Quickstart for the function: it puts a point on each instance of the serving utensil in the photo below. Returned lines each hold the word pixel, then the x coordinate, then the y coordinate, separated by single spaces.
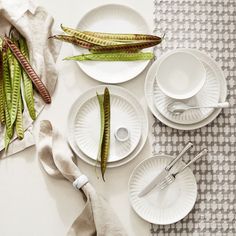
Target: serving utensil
pixel 168 179
pixel 180 107
pixel 164 173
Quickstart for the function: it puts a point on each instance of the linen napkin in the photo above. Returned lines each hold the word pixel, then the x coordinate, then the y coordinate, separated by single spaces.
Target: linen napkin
pixel 97 217
pixel 36 25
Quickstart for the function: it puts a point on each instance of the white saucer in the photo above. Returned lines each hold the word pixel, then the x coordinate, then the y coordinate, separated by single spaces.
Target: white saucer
pixel 113 18
pixel 207 96
pixel 149 93
pixel 116 91
pixel 165 206
pixel 87 127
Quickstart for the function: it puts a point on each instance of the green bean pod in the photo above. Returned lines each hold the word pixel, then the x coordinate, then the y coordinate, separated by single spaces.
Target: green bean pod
pixel 6 78
pixel 123 37
pixel 73 40
pixel 124 47
pixel 27 83
pixel 106 137
pixel 19 120
pixel 112 57
pixel 100 102
pixel 9 128
pixel 2 94
pixel 15 90
pixel 88 38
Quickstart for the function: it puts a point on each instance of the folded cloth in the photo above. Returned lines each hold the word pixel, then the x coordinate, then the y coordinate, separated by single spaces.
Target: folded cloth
pixel 36 25
pixel 97 217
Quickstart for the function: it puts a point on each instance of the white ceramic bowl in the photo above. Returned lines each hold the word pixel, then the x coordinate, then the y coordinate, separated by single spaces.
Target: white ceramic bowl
pixel 180 75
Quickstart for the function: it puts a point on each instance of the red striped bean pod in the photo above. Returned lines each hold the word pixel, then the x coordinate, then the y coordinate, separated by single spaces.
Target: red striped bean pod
pixel 29 70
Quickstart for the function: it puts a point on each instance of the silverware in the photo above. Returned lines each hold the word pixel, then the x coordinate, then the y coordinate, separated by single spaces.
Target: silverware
pixel 180 107
pixel 160 177
pixel 171 176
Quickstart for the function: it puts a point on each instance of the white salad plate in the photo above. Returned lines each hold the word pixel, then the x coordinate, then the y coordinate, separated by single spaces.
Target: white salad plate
pixel 113 18
pixel 135 113
pixel 87 127
pixel 150 96
pixel 207 96
pixel 165 206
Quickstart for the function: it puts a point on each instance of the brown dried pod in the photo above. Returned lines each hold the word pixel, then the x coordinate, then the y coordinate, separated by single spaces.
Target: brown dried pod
pixel 29 70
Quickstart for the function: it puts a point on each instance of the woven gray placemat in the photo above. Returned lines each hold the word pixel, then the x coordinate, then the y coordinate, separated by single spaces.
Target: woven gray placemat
pixel 210 26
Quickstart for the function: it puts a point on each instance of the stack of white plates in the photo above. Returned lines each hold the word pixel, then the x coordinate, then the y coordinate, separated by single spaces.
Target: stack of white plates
pixel 84 125
pixel 213 92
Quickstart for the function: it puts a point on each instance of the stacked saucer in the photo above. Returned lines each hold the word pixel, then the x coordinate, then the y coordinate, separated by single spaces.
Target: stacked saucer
pixel 190 77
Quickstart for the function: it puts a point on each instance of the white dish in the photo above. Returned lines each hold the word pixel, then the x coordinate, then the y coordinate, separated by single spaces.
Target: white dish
pixel 180 75
pixel 118 91
pixel 149 93
pixel 113 18
pixel 207 96
pixel 87 127
pixel 165 206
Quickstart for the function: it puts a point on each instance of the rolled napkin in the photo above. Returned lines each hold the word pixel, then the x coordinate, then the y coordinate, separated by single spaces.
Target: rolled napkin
pixel 36 25
pixel 97 217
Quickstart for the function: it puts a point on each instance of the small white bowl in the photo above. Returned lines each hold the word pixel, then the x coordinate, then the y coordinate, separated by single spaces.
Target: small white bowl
pixel 122 134
pixel 180 75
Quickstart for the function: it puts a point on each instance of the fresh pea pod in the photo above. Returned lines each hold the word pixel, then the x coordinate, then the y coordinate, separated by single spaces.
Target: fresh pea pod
pixel 88 38
pixel 27 83
pixel 73 40
pixel 106 137
pixel 19 120
pixel 113 57
pixel 123 37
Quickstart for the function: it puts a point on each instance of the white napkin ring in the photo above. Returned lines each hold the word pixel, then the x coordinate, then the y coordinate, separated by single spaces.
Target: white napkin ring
pixel 80 181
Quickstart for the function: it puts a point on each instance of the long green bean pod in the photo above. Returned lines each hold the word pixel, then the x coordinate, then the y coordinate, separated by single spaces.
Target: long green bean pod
pixel 106 137
pixel 100 101
pixel 112 57
pixel 19 120
pixel 88 38
pixel 15 90
pixel 9 128
pixel 123 37
pixel 6 77
pixel 123 47
pixel 27 83
pixel 73 40
pixel 2 94
pixel 10 59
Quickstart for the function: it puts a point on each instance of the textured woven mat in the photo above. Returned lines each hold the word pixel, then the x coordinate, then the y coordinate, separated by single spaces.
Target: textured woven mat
pixel 210 26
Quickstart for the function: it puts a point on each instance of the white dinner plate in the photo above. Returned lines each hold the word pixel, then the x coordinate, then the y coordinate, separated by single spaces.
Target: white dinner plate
pixel 165 206
pixel 207 96
pixel 149 92
pixel 116 91
pixel 113 18
pixel 87 127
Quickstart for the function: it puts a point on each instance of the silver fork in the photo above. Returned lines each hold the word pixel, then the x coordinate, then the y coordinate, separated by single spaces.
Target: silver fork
pixel 171 177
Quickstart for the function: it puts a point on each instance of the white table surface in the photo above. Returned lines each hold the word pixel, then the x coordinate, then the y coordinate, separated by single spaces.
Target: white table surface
pixel 34 204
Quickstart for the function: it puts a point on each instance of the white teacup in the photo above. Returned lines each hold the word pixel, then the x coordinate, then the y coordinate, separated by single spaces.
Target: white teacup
pixel 180 75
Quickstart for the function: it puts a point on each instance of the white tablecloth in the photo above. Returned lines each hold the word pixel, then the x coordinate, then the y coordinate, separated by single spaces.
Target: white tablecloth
pixel 33 204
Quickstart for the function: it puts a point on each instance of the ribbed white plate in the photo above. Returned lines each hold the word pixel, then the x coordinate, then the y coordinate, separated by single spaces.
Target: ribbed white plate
pixel 208 95
pixel 112 18
pixel 165 206
pixel 149 92
pixel 87 127
pixel 116 91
